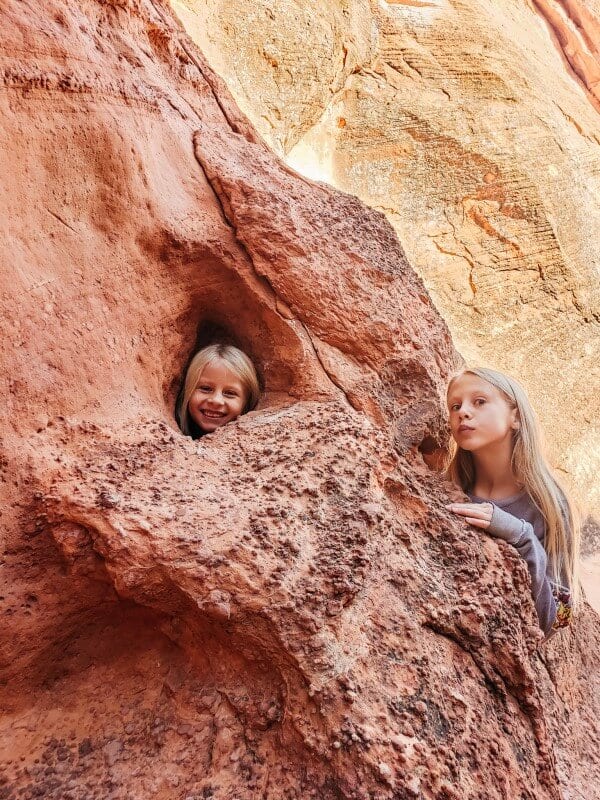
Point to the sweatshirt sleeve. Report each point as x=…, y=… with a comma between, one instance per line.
x=521, y=536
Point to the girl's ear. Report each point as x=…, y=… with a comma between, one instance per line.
x=515, y=423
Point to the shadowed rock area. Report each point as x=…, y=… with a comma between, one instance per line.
x=282, y=609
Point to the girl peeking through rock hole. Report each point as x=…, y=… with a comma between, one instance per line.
x=497, y=460
x=220, y=384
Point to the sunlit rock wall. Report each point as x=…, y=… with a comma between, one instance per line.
x=475, y=127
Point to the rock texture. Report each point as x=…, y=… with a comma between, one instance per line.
x=282, y=609
x=474, y=126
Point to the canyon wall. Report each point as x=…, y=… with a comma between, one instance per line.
x=283, y=609
x=475, y=128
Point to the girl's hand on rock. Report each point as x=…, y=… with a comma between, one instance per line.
x=477, y=514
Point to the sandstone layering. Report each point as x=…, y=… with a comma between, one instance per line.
x=475, y=126
x=283, y=609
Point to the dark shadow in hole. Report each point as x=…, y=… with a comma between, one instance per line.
x=433, y=454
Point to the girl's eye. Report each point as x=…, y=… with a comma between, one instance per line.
x=454, y=407
x=480, y=401
x=205, y=388
x=231, y=393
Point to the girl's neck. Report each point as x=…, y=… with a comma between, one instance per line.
x=494, y=477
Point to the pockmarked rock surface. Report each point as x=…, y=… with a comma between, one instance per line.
x=282, y=609
x=475, y=127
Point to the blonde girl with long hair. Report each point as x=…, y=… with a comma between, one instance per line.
x=497, y=460
x=220, y=384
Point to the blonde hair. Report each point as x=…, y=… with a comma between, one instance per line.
x=530, y=468
x=237, y=361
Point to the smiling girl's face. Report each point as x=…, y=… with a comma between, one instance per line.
x=480, y=414
x=219, y=397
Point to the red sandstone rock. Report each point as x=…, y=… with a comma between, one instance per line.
x=282, y=609
x=576, y=31
x=442, y=115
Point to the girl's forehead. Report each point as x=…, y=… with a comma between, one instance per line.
x=219, y=370
x=468, y=383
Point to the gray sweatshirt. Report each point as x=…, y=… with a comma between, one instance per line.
x=517, y=520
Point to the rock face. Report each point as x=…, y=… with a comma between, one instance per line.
x=474, y=126
x=282, y=609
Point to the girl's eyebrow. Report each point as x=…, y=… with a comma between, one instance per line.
x=458, y=398
x=226, y=387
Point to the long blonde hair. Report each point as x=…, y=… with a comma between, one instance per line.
x=530, y=468
x=237, y=361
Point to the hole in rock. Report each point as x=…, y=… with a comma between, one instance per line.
x=209, y=290
x=212, y=331
x=213, y=303
x=433, y=454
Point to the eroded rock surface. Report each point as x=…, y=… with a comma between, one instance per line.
x=282, y=609
x=474, y=126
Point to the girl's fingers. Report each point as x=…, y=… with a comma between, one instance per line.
x=477, y=514
x=466, y=512
x=468, y=505
x=480, y=510
x=478, y=523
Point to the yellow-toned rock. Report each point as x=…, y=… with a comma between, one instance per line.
x=285, y=61
x=474, y=126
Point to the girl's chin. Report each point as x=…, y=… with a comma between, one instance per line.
x=467, y=445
